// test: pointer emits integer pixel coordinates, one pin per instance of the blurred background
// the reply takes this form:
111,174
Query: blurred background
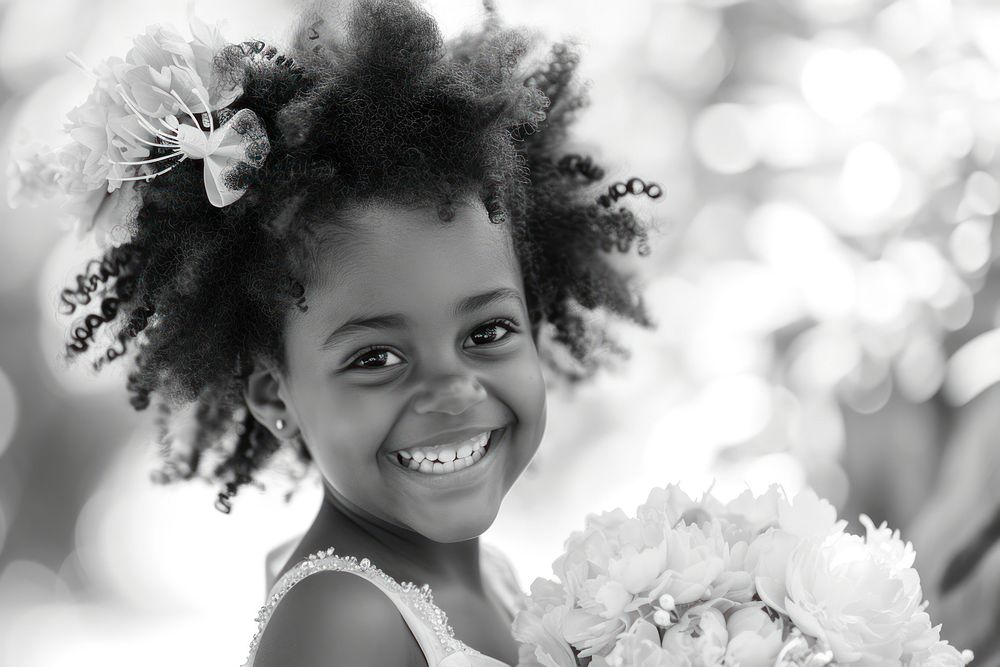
824,277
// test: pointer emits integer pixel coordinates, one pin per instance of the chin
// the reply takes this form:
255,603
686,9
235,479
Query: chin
460,526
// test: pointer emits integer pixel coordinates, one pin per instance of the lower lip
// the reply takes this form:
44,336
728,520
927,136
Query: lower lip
459,476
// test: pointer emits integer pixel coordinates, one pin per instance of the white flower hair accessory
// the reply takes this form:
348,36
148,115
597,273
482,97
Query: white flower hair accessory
161,105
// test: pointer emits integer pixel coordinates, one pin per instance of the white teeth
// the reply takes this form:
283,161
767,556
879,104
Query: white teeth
450,458
446,452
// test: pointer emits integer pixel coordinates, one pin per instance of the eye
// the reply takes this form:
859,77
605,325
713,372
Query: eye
487,333
374,357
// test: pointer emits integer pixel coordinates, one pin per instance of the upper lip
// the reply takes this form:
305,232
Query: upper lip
447,436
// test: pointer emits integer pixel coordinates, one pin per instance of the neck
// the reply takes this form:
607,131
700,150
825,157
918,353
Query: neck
403,554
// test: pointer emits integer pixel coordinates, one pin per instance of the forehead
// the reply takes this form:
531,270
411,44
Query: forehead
406,258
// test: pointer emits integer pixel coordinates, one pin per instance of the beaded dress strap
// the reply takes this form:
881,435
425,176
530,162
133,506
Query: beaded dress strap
418,603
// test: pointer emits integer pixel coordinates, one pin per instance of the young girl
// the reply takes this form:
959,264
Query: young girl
349,248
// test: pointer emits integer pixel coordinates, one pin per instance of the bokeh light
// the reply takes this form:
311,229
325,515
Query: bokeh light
842,84
689,51
788,135
969,244
746,402
869,183
920,369
724,139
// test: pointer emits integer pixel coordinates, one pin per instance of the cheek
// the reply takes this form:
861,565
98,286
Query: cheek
344,427
524,395
539,407
526,392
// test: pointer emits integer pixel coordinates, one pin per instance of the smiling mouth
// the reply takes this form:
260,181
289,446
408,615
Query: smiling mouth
432,466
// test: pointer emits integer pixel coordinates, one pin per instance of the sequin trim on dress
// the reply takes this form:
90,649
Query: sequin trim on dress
419,598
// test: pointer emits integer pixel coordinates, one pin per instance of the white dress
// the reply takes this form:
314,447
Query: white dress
427,622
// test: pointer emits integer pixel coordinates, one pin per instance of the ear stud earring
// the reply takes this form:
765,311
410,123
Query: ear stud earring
279,424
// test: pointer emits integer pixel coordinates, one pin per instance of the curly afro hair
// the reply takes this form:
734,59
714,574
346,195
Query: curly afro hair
377,107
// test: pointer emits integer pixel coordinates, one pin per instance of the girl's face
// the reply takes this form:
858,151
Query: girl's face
417,334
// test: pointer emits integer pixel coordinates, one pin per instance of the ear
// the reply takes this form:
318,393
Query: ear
265,397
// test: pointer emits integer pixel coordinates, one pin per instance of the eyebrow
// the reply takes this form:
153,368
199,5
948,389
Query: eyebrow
398,321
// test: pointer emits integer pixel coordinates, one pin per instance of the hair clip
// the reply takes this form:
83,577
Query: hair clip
146,114
239,139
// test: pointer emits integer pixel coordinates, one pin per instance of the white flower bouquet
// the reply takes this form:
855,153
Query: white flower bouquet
759,581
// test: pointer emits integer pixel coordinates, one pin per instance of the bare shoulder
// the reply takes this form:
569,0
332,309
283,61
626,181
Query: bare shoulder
331,618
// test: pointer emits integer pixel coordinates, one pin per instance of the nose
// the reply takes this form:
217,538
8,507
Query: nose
452,394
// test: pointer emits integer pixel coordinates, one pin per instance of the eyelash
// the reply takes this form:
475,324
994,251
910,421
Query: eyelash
508,323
